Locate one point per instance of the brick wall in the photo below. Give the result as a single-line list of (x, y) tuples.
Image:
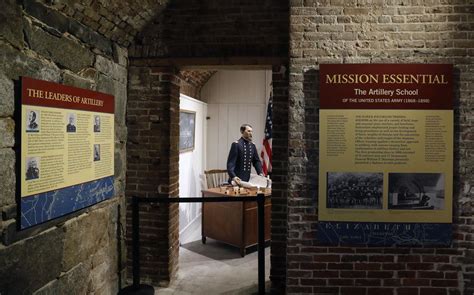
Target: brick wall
[(213, 28), (153, 163), (376, 32), (279, 228), (152, 166)]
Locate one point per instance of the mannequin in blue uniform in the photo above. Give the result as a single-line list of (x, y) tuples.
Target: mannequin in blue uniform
[(242, 155)]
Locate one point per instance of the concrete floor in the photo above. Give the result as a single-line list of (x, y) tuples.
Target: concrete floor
[(216, 268)]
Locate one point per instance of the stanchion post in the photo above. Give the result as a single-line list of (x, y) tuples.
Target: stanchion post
[(261, 243), (136, 288), (136, 243)]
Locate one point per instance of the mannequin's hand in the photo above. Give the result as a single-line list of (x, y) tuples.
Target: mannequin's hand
[(237, 180)]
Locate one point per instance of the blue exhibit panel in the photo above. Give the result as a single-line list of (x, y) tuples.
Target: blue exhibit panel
[(384, 234), (39, 208)]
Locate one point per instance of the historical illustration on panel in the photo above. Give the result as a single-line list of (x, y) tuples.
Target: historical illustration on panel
[(416, 191)]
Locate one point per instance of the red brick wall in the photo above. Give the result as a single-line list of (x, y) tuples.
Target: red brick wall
[(379, 32), (152, 167), (279, 228)]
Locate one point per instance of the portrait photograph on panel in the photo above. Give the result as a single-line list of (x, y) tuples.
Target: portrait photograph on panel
[(416, 191), (32, 168), (71, 122), (32, 121), (96, 152), (354, 190), (96, 123)]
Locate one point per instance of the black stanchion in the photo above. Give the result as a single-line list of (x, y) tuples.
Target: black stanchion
[(261, 243), (136, 288), (141, 289), (136, 242)]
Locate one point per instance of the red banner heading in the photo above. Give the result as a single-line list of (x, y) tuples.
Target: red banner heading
[(386, 86), (49, 94)]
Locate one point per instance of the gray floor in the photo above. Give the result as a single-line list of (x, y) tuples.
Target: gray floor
[(216, 268)]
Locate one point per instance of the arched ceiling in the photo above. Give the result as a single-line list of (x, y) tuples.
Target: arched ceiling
[(118, 20), (213, 28), (180, 28), (196, 77)]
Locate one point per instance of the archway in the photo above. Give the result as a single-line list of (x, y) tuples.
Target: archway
[(257, 38)]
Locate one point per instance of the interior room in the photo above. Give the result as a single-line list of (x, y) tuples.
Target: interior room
[(226, 100)]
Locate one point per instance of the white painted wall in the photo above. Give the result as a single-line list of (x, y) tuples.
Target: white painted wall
[(191, 166), (234, 98)]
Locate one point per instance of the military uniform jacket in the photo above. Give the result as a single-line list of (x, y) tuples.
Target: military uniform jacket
[(70, 128), (242, 155), (32, 173)]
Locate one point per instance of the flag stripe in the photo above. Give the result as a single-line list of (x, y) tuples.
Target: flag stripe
[(268, 149), (266, 153)]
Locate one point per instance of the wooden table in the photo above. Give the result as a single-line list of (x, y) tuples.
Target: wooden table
[(233, 223)]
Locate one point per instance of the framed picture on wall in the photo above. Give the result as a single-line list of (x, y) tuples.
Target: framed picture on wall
[(187, 125)]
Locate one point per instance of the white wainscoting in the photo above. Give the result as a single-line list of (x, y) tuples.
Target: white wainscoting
[(191, 167)]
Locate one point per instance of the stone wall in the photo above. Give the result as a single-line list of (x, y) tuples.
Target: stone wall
[(82, 252), (390, 31)]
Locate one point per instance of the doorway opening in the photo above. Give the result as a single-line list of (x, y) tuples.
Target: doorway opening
[(190, 36), (216, 102), (153, 156)]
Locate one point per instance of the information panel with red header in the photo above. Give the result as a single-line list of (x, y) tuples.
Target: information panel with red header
[(67, 150), (386, 154)]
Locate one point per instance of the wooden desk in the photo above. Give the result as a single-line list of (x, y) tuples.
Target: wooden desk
[(233, 223)]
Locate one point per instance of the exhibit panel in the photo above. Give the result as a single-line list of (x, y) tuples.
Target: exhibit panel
[(67, 150), (386, 154)]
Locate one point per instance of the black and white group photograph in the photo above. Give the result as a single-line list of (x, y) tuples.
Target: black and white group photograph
[(416, 191), (354, 190)]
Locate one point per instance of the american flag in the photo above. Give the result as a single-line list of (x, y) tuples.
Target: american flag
[(266, 153)]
